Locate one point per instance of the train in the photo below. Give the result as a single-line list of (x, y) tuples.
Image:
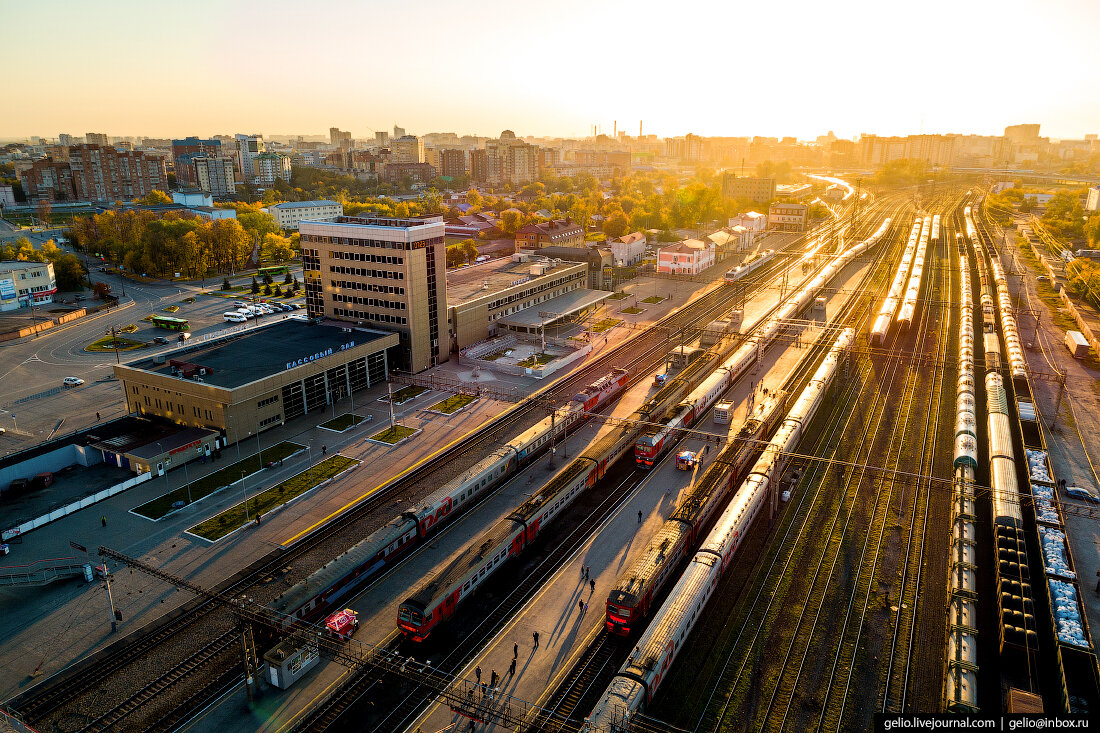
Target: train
[(632, 596), (751, 265), (657, 440), (960, 692), (436, 600), (889, 307), (912, 291), (639, 678), (337, 580)]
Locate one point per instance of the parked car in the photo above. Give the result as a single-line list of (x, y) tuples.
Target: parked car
[(42, 480), (79, 297), (159, 340), (72, 381), (285, 307), (1080, 492), (240, 303)]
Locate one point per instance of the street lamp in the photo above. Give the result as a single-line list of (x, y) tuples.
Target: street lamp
[(244, 492)]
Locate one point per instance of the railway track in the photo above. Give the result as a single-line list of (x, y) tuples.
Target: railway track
[(49, 702)]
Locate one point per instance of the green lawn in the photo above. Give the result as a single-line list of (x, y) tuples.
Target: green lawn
[(149, 317), (341, 423), (536, 360), (653, 299), (107, 343), (171, 309), (207, 485), (131, 328), (405, 394), (452, 404), (189, 299), (394, 435), (606, 325), (222, 524), (618, 296), (632, 310)]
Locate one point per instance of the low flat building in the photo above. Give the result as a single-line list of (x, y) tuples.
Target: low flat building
[(596, 258), (481, 297), (689, 257), (289, 213), (245, 382), (26, 283), (787, 217), (794, 191)]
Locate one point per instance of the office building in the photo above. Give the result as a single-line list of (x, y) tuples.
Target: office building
[(407, 149), (108, 174), (556, 233), (96, 138), (184, 153), (248, 147), (339, 138), (754, 189), (383, 272), (452, 163), (269, 167), (244, 383), (24, 283), (289, 213), (213, 174)]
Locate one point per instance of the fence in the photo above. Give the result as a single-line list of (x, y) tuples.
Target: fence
[(75, 506)]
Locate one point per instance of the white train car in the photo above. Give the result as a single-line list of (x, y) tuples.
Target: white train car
[(640, 677), (912, 290), (881, 325)]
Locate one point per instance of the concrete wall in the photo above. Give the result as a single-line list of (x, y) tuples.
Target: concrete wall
[(52, 462), (75, 506)]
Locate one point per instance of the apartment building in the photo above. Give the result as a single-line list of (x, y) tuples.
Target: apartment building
[(755, 189), (452, 162), (248, 147), (104, 173), (787, 217), (96, 138), (937, 150), (511, 159), (479, 165), (214, 175), (383, 272), (407, 149), (47, 179), (269, 167), (339, 138), (184, 153)]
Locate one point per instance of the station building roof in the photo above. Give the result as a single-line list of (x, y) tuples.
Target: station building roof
[(563, 305)]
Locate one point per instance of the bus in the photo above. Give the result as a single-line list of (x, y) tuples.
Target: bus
[(170, 323), (273, 271)]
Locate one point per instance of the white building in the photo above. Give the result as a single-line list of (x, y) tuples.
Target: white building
[(192, 198), (7, 196), (248, 147), (689, 257), (289, 213), (270, 167), (24, 282), (751, 220), (1092, 203), (628, 249)]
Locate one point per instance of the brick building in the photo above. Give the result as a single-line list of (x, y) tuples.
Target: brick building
[(452, 163), (103, 173), (557, 233)]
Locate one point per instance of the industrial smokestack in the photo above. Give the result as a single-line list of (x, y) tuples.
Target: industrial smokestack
[(615, 129), (640, 127)]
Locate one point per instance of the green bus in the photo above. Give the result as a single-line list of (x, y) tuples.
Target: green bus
[(170, 323), (273, 271)]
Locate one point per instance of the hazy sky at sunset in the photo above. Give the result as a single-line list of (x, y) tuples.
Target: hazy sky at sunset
[(135, 67)]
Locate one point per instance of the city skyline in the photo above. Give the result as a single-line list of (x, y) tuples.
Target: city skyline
[(849, 69)]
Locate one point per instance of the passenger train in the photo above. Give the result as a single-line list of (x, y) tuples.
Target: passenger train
[(912, 291), (641, 675), (338, 579), (631, 598), (650, 446), (434, 601), (735, 274), (889, 306)]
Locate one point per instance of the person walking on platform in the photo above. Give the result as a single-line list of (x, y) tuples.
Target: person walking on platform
[(587, 571), (580, 607), (535, 636), (477, 674), (639, 516), (493, 679), (593, 584), (512, 669), (515, 650), (104, 520), (585, 609)]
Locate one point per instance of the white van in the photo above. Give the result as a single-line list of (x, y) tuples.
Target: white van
[(234, 317)]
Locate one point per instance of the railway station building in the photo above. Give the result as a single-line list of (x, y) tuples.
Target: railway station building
[(243, 382)]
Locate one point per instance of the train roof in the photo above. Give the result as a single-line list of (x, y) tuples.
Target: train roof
[(540, 498), (633, 582), (475, 554)]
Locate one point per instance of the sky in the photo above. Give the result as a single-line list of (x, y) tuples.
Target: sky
[(160, 69)]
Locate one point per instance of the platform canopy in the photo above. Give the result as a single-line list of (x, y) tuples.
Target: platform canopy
[(545, 313)]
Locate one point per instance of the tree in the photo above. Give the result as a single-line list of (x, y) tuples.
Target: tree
[(276, 249), (226, 284), (511, 221), (286, 280), (69, 272), (102, 290), (155, 198), (44, 208), (1092, 230), (616, 225), (255, 286), (268, 279), (267, 289)]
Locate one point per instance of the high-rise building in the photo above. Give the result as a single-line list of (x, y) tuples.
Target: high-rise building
[(389, 273), (479, 165), (398, 132), (96, 138), (407, 149), (47, 179), (512, 160), (381, 139), (248, 147), (64, 139), (214, 175), (931, 149), (271, 166), (1022, 134), (339, 138), (184, 153), (104, 173), (452, 163)]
